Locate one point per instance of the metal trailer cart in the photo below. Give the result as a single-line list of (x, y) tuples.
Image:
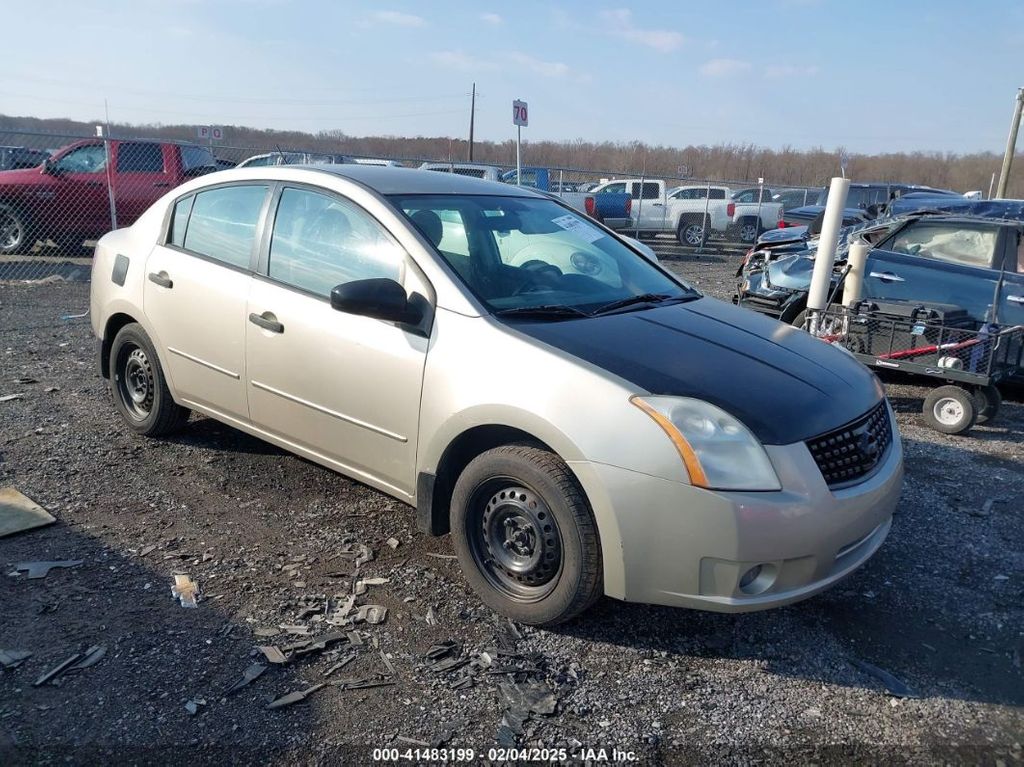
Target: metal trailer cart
[(964, 363)]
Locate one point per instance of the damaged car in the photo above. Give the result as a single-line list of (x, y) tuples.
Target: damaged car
[(928, 258)]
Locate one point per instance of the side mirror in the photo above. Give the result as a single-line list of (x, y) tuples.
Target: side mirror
[(380, 298), (48, 167)]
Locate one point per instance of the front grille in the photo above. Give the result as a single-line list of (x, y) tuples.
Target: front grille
[(851, 452)]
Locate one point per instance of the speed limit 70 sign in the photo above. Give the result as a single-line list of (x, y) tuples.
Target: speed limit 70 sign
[(520, 116)]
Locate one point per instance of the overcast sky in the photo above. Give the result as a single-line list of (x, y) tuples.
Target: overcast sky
[(869, 75)]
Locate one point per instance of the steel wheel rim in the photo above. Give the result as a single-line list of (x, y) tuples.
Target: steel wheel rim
[(514, 540), (948, 411), (11, 230), (136, 384), (693, 234)]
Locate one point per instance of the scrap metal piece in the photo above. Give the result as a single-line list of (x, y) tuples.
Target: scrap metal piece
[(394, 543), (251, 674), (272, 654), (19, 512), (91, 657), (266, 632), (892, 684), (378, 581), (296, 696), (321, 643), (340, 664), (443, 649), (11, 397), (387, 663), (431, 616), (56, 671), (185, 590), (372, 614), (13, 658), (35, 570)]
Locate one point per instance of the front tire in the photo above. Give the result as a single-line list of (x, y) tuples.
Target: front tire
[(949, 409), (140, 389), (525, 535)]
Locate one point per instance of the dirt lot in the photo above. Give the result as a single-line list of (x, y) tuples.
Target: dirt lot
[(270, 537)]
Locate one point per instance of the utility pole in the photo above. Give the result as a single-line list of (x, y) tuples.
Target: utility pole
[(1011, 146), (472, 114)]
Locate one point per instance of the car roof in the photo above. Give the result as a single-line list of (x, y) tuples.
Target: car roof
[(390, 180)]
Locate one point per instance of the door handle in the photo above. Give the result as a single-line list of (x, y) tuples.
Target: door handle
[(658, 204), (162, 183), (94, 183), (1016, 299), (887, 277), (161, 279), (267, 321)]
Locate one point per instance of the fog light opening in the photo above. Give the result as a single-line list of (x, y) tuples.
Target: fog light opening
[(758, 579)]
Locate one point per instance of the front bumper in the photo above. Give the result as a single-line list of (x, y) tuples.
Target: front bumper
[(673, 544)]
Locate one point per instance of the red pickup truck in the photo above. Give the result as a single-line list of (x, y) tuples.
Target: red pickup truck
[(67, 198)]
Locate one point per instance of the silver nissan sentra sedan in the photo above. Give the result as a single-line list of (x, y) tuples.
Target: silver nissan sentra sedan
[(579, 419)]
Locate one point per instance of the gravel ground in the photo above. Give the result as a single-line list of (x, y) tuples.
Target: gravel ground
[(270, 538)]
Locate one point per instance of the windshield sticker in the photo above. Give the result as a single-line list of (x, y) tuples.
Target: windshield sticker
[(581, 229)]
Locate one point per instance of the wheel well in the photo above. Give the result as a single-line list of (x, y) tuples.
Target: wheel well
[(114, 325), (690, 218), (792, 310), (434, 492)]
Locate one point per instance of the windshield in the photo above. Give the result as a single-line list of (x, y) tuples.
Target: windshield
[(517, 254)]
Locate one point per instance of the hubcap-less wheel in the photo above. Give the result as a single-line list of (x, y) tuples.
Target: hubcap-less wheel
[(135, 385), (948, 411), (515, 541), (694, 235), (12, 231)]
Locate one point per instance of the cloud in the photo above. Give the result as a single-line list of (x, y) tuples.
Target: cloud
[(399, 19), (492, 18), (779, 71), (538, 66), (724, 67), (465, 62), (461, 61), (620, 23)]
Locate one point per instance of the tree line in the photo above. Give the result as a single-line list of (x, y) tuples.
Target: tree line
[(737, 163)]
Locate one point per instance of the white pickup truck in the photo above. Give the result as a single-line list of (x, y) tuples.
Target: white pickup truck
[(752, 217), (690, 218)]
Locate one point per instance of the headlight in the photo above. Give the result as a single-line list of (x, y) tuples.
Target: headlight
[(718, 451)]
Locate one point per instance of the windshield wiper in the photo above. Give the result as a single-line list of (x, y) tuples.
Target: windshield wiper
[(544, 311), (643, 298)]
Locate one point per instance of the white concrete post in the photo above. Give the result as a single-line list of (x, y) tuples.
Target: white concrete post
[(825, 258)]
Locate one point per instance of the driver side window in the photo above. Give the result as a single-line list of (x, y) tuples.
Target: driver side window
[(320, 241), (84, 159)]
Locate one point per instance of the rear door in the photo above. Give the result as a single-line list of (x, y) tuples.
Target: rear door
[(648, 206), (938, 262), (196, 289), (142, 174)]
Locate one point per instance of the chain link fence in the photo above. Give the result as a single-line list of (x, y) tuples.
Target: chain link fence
[(61, 192)]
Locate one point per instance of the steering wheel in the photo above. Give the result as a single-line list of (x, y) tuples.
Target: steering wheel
[(542, 275)]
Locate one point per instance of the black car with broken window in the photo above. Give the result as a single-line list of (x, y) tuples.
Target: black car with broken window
[(972, 262)]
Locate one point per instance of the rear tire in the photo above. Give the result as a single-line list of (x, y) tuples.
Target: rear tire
[(525, 535), (949, 409), (987, 400), (140, 389), (692, 233), (18, 234), (749, 230)]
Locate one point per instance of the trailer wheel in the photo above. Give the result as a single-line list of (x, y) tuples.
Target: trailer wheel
[(950, 410), (987, 400)]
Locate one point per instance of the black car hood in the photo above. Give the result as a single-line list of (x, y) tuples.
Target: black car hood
[(782, 383)]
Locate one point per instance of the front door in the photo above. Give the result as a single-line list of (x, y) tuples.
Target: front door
[(78, 198), (196, 289), (343, 387)]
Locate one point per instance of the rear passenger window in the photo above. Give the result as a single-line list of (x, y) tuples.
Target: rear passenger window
[(138, 157), (320, 241), (223, 223), (179, 221)]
